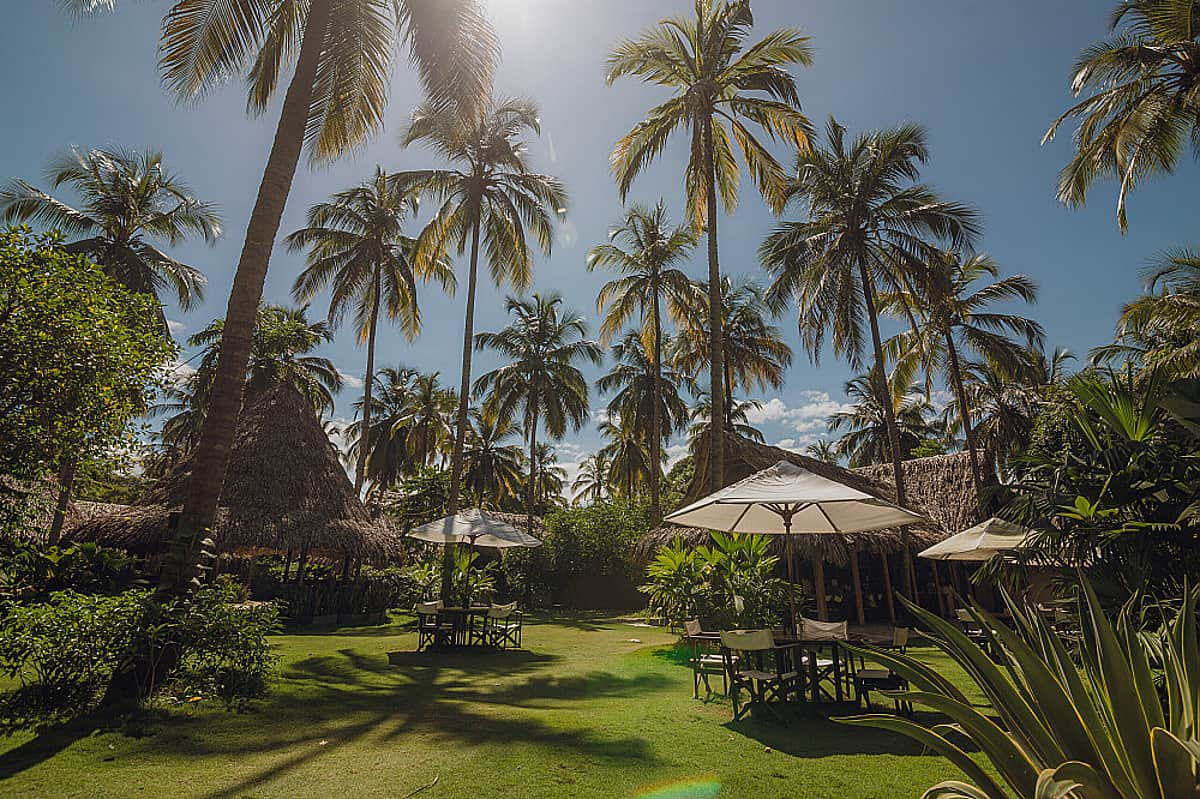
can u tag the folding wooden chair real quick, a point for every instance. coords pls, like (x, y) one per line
(879, 679)
(504, 626)
(762, 669)
(838, 669)
(431, 630)
(706, 660)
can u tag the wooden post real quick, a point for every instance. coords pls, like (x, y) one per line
(856, 578)
(819, 583)
(287, 564)
(300, 566)
(937, 586)
(887, 588)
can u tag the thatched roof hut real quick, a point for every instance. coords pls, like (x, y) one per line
(940, 487)
(284, 490)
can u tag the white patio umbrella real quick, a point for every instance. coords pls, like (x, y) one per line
(786, 499)
(474, 527)
(979, 543)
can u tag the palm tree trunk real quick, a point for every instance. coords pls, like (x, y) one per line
(66, 479)
(656, 416)
(225, 403)
(964, 413)
(889, 415)
(464, 395)
(360, 473)
(716, 472)
(533, 465)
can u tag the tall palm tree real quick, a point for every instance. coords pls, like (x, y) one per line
(492, 473)
(757, 357)
(646, 395)
(356, 245)
(643, 248)
(592, 481)
(548, 479)
(952, 313)
(127, 201)
(738, 422)
(1141, 107)
(719, 83)
(864, 216)
(341, 52)
(490, 197)
(1160, 330)
(541, 380)
(383, 440)
(1005, 406)
(824, 451)
(629, 459)
(430, 426)
(867, 439)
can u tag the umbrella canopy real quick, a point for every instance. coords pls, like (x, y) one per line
(978, 543)
(786, 498)
(475, 527)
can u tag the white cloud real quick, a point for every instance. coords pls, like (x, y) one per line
(175, 327)
(600, 415)
(810, 416)
(178, 372)
(675, 453)
(350, 381)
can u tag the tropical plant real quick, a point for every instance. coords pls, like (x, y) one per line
(865, 217)
(719, 83)
(628, 457)
(1160, 331)
(823, 450)
(757, 357)
(492, 473)
(951, 313)
(342, 51)
(357, 247)
(547, 482)
(1119, 725)
(384, 441)
(540, 382)
(866, 441)
(128, 201)
(645, 248)
(491, 197)
(1142, 84)
(638, 381)
(592, 481)
(429, 427)
(472, 582)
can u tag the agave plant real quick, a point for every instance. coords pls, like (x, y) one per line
(1059, 728)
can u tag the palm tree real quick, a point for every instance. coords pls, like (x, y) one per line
(1142, 106)
(592, 480)
(719, 84)
(548, 480)
(738, 423)
(356, 244)
(541, 380)
(864, 216)
(822, 450)
(429, 426)
(127, 201)
(383, 441)
(491, 196)
(951, 313)
(647, 396)
(342, 51)
(493, 469)
(1005, 405)
(867, 438)
(643, 248)
(756, 354)
(629, 459)
(1161, 329)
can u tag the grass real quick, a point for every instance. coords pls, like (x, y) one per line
(591, 707)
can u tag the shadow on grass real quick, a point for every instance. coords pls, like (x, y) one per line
(809, 734)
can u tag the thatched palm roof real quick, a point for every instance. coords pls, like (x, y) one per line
(940, 487)
(284, 490)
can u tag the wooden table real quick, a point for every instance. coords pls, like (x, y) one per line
(463, 620)
(812, 648)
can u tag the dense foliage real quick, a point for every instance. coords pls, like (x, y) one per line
(1113, 719)
(31, 573)
(728, 585)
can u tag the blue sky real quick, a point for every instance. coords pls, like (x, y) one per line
(984, 78)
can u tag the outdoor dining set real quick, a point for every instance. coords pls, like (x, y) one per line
(488, 626)
(776, 669)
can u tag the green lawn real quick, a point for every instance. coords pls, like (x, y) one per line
(592, 707)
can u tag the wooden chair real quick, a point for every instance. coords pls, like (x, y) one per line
(431, 630)
(706, 660)
(765, 671)
(878, 679)
(503, 624)
(828, 668)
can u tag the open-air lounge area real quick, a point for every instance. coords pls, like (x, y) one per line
(601, 399)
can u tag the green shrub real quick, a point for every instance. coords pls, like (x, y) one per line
(31, 572)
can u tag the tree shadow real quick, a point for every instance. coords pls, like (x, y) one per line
(808, 733)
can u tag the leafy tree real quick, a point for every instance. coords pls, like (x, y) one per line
(429, 427)
(491, 197)
(492, 474)
(644, 248)
(592, 481)
(1141, 106)
(356, 245)
(864, 216)
(342, 52)
(385, 438)
(638, 381)
(79, 358)
(951, 313)
(548, 480)
(866, 440)
(129, 201)
(541, 381)
(824, 451)
(629, 464)
(719, 84)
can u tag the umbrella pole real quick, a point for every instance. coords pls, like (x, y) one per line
(856, 578)
(791, 553)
